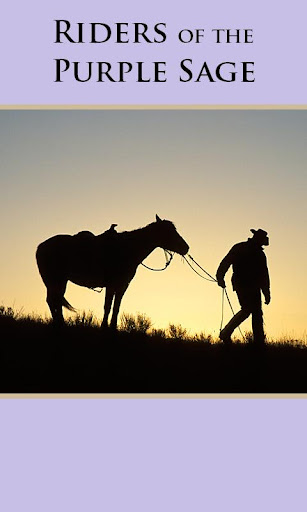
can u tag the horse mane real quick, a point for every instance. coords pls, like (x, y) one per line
(148, 227)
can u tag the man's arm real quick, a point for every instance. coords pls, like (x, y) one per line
(223, 267)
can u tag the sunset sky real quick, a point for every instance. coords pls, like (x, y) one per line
(214, 173)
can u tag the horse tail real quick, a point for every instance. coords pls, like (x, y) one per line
(66, 305)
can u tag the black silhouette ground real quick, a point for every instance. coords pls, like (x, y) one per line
(37, 358)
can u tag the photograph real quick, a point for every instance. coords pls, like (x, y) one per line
(153, 250)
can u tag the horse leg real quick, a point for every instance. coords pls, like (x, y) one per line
(55, 294)
(107, 305)
(118, 298)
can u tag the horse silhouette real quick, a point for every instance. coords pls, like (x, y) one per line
(108, 260)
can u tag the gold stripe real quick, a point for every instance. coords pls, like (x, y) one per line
(149, 396)
(153, 107)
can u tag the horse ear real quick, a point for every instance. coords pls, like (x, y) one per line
(158, 218)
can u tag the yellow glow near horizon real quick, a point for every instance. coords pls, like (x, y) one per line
(215, 174)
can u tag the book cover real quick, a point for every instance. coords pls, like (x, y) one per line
(149, 152)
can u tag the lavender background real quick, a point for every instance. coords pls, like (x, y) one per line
(154, 454)
(27, 40)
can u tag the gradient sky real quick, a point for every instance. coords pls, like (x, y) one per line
(215, 174)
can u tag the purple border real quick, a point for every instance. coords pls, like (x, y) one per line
(136, 454)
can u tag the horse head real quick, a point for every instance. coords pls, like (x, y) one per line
(168, 237)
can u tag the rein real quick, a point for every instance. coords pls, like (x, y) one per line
(167, 262)
(211, 278)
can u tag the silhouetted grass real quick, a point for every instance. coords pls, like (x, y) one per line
(81, 358)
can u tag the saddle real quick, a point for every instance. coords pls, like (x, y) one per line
(86, 240)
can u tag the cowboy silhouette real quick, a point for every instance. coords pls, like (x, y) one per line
(250, 278)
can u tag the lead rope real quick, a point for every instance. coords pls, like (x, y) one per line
(213, 280)
(223, 300)
(233, 313)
